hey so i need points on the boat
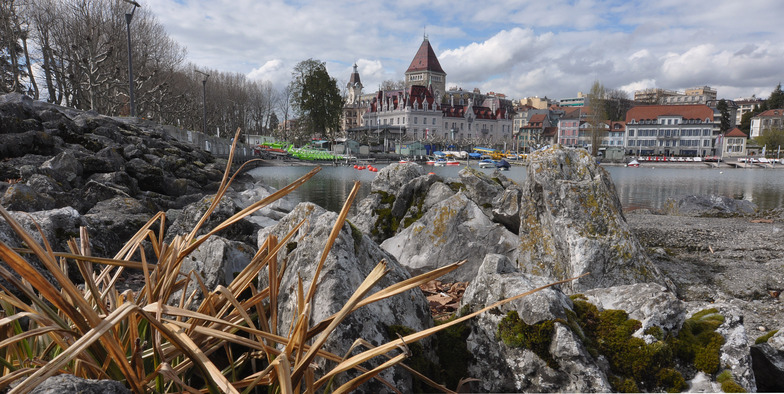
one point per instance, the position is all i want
(452, 162)
(440, 162)
(486, 163)
(430, 161)
(502, 165)
(633, 163)
(403, 161)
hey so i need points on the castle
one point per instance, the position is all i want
(425, 111)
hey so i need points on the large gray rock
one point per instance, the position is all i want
(651, 304)
(506, 208)
(768, 363)
(114, 221)
(501, 368)
(64, 168)
(480, 188)
(571, 223)
(393, 177)
(217, 261)
(708, 205)
(21, 197)
(397, 199)
(187, 219)
(268, 215)
(63, 384)
(350, 260)
(452, 230)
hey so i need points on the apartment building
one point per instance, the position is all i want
(680, 130)
(770, 119)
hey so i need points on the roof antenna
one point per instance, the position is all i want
(424, 28)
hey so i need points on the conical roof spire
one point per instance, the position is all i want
(425, 59)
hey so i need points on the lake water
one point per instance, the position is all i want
(643, 187)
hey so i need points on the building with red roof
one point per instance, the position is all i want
(733, 143)
(423, 111)
(672, 130)
(770, 119)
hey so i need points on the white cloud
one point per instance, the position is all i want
(553, 48)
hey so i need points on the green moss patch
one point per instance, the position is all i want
(728, 383)
(637, 366)
(698, 342)
(514, 332)
(765, 337)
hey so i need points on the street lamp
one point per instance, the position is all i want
(128, 18)
(204, 100)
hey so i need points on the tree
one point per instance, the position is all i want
(595, 104)
(724, 109)
(316, 98)
(773, 138)
(12, 48)
(617, 103)
(776, 99)
(393, 85)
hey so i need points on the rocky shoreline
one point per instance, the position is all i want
(704, 261)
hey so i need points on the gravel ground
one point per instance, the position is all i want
(737, 261)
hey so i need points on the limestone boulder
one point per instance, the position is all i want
(188, 217)
(393, 177)
(217, 261)
(397, 199)
(571, 223)
(350, 260)
(480, 188)
(268, 215)
(503, 368)
(708, 205)
(506, 208)
(455, 229)
(651, 304)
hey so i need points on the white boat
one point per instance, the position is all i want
(486, 163)
(440, 162)
(633, 163)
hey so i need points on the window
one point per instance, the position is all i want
(416, 120)
(434, 121)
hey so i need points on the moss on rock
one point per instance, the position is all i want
(514, 332)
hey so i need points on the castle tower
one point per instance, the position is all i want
(353, 87)
(425, 70)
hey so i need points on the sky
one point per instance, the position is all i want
(552, 48)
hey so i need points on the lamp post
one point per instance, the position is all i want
(128, 18)
(204, 100)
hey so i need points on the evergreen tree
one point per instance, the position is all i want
(724, 109)
(316, 98)
(776, 99)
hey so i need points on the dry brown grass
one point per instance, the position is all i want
(151, 342)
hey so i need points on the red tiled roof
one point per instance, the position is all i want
(696, 111)
(425, 59)
(773, 112)
(537, 118)
(549, 131)
(735, 133)
(617, 126)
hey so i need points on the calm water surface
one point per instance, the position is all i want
(643, 187)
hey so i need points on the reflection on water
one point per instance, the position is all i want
(643, 187)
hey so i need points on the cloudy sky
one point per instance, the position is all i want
(552, 48)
